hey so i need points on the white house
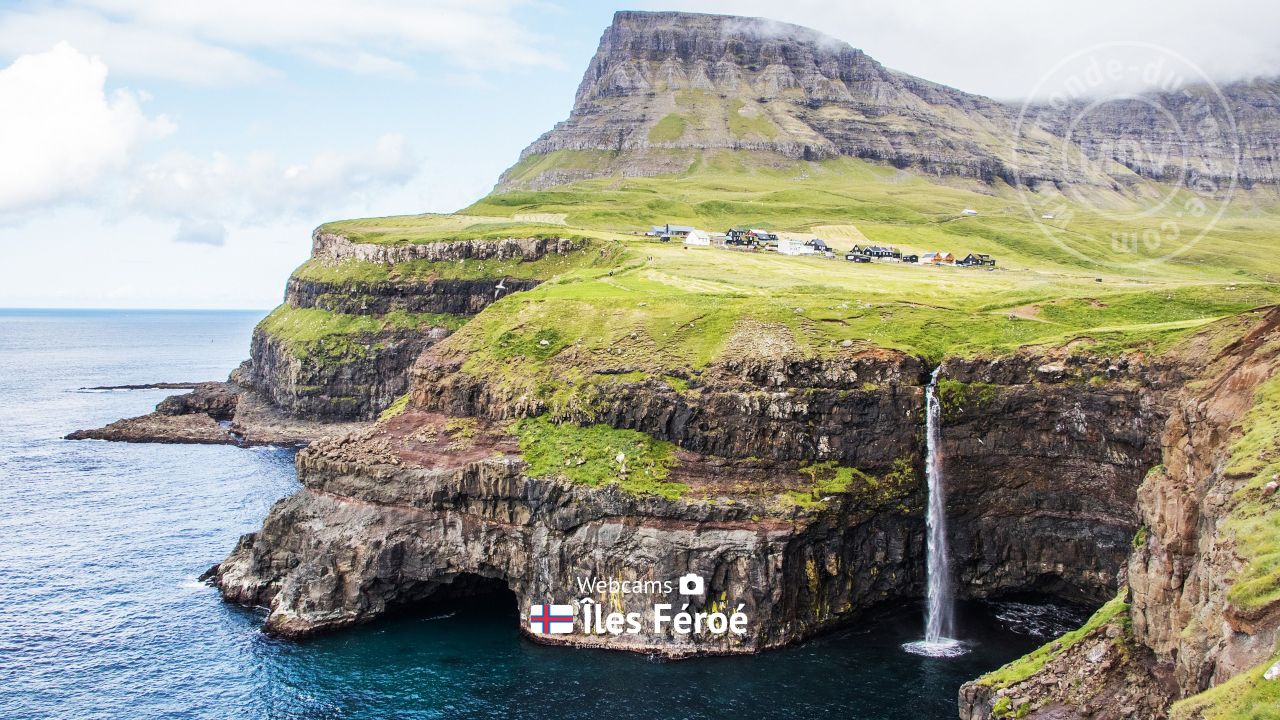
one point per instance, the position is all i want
(697, 237)
(968, 211)
(794, 246)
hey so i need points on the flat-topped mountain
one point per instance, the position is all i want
(665, 85)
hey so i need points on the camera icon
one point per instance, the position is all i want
(692, 584)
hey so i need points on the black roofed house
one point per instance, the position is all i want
(976, 259)
(668, 231)
(880, 252)
(819, 245)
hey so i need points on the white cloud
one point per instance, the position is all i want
(199, 41)
(201, 232)
(129, 48)
(60, 132)
(1003, 48)
(261, 188)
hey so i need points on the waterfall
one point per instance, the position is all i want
(939, 619)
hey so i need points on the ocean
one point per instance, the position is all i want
(101, 615)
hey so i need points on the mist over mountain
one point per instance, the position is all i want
(663, 84)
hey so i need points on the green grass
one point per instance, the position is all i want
(1254, 522)
(1246, 696)
(590, 456)
(396, 408)
(601, 254)
(327, 338)
(1031, 663)
(431, 228)
(303, 325)
(668, 129)
(829, 478)
(665, 310)
(746, 126)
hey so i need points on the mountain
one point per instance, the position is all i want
(530, 390)
(664, 87)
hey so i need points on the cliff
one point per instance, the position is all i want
(526, 397)
(669, 81)
(1201, 607)
(665, 87)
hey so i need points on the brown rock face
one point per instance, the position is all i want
(753, 84)
(386, 521)
(1181, 575)
(667, 81)
(1180, 634)
(1043, 457)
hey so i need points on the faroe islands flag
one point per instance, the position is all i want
(550, 619)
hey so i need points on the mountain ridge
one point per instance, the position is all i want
(664, 86)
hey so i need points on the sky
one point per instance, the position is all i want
(178, 153)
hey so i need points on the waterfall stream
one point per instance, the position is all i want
(939, 618)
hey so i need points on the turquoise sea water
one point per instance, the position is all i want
(101, 616)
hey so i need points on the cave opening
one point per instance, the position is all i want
(464, 592)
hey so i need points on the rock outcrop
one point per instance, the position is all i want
(353, 374)
(1043, 455)
(1181, 632)
(400, 514)
(665, 87)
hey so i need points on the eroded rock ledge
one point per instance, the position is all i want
(1178, 628)
(392, 517)
(397, 516)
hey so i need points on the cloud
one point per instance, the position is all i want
(1003, 48)
(129, 48)
(198, 232)
(60, 132)
(261, 188)
(214, 43)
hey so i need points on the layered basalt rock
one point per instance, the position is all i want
(789, 92)
(357, 376)
(334, 248)
(358, 381)
(861, 409)
(1043, 456)
(753, 84)
(454, 297)
(396, 516)
(1179, 632)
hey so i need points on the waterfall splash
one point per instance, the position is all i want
(939, 622)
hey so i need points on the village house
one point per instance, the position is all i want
(877, 251)
(794, 246)
(697, 237)
(973, 259)
(937, 258)
(668, 231)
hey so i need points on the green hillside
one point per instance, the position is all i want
(630, 303)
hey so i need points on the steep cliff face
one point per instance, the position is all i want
(341, 345)
(695, 82)
(412, 509)
(1201, 607)
(1044, 454)
(861, 409)
(1200, 135)
(393, 517)
(663, 87)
